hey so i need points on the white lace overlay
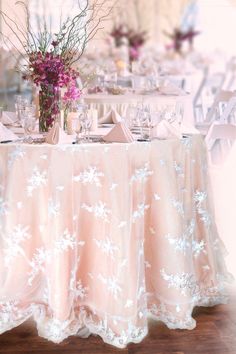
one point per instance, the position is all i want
(104, 237)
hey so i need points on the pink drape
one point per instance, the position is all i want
(100, 237)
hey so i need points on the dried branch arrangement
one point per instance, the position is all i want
(70, 40)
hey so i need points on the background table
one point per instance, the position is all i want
(97, 238)
(105, 102)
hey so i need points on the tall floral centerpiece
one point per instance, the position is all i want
(133, 39)
(50, 72)
(51, 57)
(184, 30)
(136, 42)
(178, 37)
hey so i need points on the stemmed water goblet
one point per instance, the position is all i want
(18, 104)
(179, 109)
(174, 114)
(169, 113)
(145, 118)
(131, 115)
(81, 124)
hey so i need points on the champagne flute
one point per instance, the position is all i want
(179, 108)
(18, 102)
(131, 115)
(76, 128)
(29, 125)
(146, 123)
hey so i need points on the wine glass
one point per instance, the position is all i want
(76, 127)
(170, 114)
(29, 125)
(174, 114)
(179, 108)
(139, 117)
(20, 106)
(85, 122)
(145, 118)
(131, 115)
(26, 110)
(18, 101)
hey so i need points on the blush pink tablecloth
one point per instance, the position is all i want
(98, 238)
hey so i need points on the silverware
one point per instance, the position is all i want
(6, 141)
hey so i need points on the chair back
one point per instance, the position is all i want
(218, 105)
(219, 141)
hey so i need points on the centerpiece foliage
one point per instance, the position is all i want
(50, 58)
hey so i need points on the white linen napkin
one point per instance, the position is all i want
(119, 134)
(6, 134)
(165, 130)
(111, 117)
(56, 135)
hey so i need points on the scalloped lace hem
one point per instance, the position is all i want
(118, 333)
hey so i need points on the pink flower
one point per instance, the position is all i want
(134, 53)
(73, 93)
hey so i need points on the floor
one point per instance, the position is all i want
(215, 334)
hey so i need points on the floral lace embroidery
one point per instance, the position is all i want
(107, 246)
(139, 213)
(3, 207)
(99, 210)
(37, 180)
(141, 174)
(13, 243)
(90, 176)
(186, 242)
(17, 153)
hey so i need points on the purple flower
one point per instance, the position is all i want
(55, 43)
(49, 69)
(134, 53)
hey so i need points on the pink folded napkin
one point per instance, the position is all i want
(189, 129)
(8, 117)
(6, 134)
(111, 117)
(119, 134)
(165, 130)
(56, 135)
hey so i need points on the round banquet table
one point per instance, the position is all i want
(98, 238)
(105, 102)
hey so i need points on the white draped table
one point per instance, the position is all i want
(97, 238)
(105, 102)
